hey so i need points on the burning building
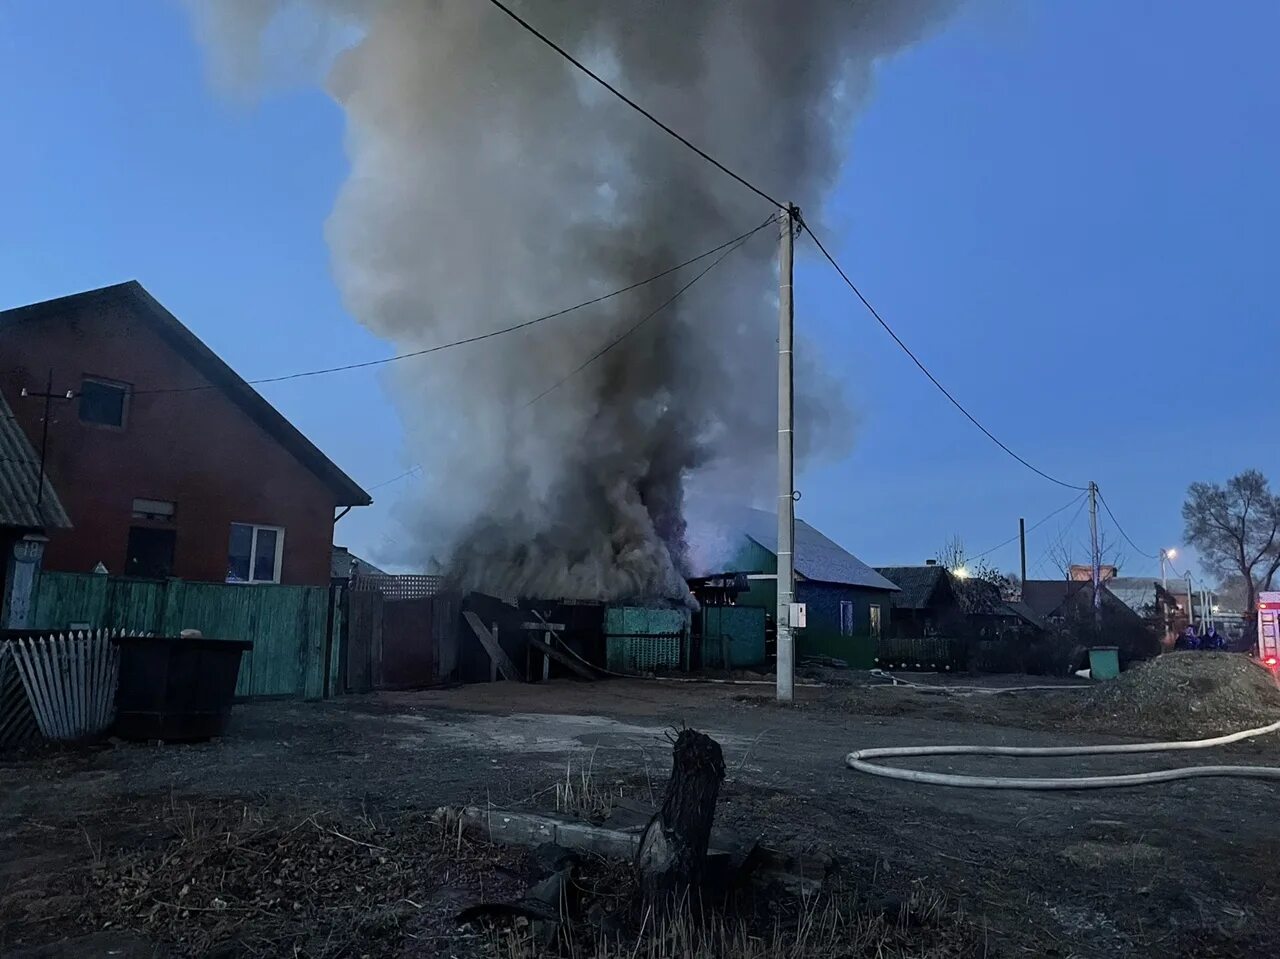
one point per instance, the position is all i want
(491, 182)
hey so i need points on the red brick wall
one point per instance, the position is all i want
(198, 450)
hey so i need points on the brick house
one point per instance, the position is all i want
(168, 463)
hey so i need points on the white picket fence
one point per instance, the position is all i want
(68, 681)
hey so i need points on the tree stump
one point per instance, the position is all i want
(671, 859)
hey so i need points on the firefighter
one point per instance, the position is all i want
(1213, 639)
(1189, 639)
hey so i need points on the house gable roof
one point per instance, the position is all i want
(1048, 597)
(816, 557)
(20, 480)
(918, 584)
(186, 344)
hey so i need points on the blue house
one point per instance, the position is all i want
(849, 603)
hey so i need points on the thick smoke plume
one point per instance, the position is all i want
(490, 183)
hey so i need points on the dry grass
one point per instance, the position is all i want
(236, 881)
(926, 927)
(584, 794)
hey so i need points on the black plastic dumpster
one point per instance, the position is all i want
(178, 689)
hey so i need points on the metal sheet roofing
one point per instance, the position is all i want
(20, 480)
(816, 557)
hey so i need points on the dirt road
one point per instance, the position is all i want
(1187, 869)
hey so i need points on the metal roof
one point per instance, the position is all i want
(20, 479)
(343, 564)
(816, 557)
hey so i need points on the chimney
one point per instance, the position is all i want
(931, 562)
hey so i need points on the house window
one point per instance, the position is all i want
(875, 622)
(153, 509)
(103, 402)
(846, 617)
(254, 553)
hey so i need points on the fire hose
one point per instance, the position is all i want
(860, 760)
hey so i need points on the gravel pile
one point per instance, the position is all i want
(1187, 695)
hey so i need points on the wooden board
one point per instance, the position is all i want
(490, 644)
(564, 659)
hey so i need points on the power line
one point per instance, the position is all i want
(1070, 523)
(762, 193)
(1032, 528)
(632, 103)
(470, 339)
(394, 479)
(645, 319)
(925, 370)
(1121, 528)
(735, 244)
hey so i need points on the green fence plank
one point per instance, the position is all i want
(285, 623)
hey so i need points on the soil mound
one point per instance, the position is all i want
(1189, 695)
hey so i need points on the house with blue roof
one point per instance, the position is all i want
(848, 602)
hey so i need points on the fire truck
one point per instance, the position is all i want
(1269, 629)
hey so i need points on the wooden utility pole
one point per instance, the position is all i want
(1022, 545)
(786, 462)
(1097, 557)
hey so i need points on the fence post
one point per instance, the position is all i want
(170, 609)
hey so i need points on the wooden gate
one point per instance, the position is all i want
(398, 643)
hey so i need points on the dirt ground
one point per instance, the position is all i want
(1183, 869)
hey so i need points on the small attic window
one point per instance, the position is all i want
(103, 402)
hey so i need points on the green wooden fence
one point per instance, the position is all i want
(288, 625)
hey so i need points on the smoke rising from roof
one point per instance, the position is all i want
(491, 182)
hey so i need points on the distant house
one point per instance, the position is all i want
(935, 602)
(1063, 601)
(345, 565)
(1067, 606)
(167, 462)
(29, 511)
(927, 603)
(848, 602)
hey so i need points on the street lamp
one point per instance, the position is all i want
(1165, 556)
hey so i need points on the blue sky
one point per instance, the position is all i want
(1067, 209)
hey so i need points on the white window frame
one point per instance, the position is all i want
(253, 553)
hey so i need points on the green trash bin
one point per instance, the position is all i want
(1104, 662)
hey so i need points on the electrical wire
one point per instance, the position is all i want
(394, 479)
(470, 339)
(925, 370)
(1121, 528)
(777, 203)
(735, 244)
(632, 103)
(645, 319)
(1032, 528)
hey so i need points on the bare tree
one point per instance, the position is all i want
(951, 556)
(1063, 552)
(1236, 529)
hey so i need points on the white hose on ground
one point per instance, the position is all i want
(859, 760)
(984, 690)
